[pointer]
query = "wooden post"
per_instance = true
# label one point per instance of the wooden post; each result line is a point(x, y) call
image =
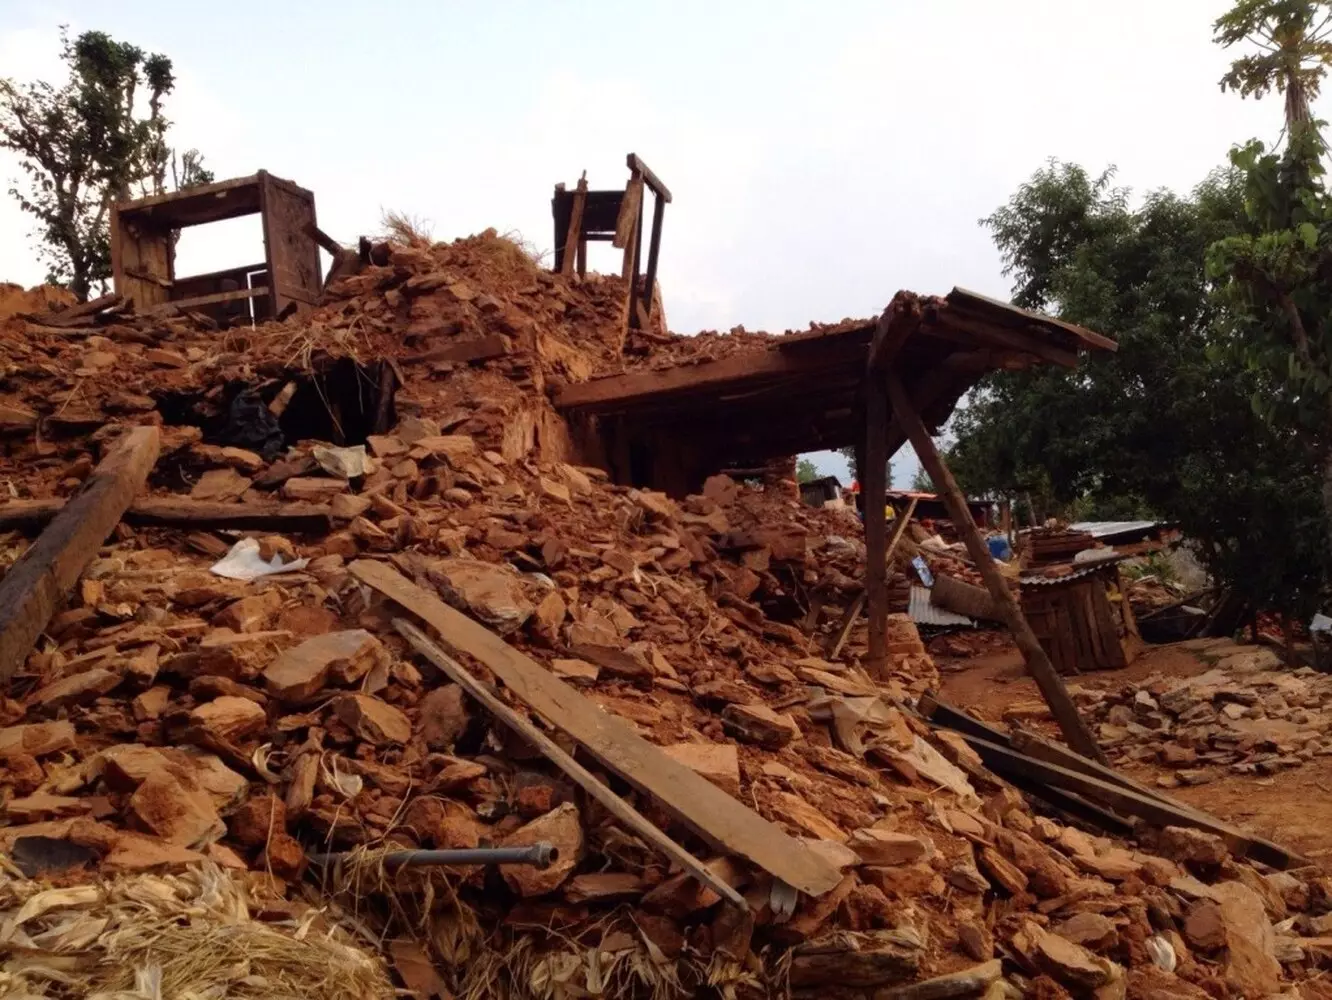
point(1075, 731)
point(654, 251)
point(874, 486)
point(32, 589)
point(573, 238)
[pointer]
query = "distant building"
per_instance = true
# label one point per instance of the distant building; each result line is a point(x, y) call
point(817, 492)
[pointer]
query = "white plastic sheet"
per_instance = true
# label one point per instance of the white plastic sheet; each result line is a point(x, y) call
point(243, 562)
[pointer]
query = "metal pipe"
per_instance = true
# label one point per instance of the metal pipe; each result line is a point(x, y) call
point(540, 855)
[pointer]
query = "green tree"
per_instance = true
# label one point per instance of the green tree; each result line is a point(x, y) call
point(1162, 427)
point(1276, 275)
point(921, 481)
point(806, 471)
point(88, 143)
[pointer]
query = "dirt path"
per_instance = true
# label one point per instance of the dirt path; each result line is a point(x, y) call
point(1293, 807)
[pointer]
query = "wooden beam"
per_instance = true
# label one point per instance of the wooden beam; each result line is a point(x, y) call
point(483, 348)
point(745, 367)
point(654, 253)
point(1127, 801)
point(34, 586)
point(717, 817)
point(1038, 663)
point(975, 302)
point(216, 298)
point(633, 820)
point(899, 321)
point(173, 512)
point(874, 490)
point(573, 237)
point(977, 330)
point(653, 181)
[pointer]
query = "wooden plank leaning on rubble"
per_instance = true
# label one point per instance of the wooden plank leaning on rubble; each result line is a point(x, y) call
point(1031, 745)
point(1128, 802)
point(585, 779)
point(723, 821)
point(32, 589)
point(170, 512)
point(1038, 662)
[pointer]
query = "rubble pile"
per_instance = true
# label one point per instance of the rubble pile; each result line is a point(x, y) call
point(1246, 714)
point(241, 699)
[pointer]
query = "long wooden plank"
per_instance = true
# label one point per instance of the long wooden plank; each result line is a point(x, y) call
point(1028, 743)
point(1038, 662)
point(169, 512)
point(574, 236)
point(1128, 802)
point(608, 393)
point(717, 817)
point(34, 586)
point(616, 806)
point(483, 348)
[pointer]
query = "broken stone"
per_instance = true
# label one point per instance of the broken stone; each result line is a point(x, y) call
point(76, 689)
point(562, 828)
point(1204, 926)
point(179, 814)
point(1251, 965)
point(250, 614)
point(1091, 930)
point(630, 664)
point(258, 819)
point(760, 725)
point(1066, 962)
point(491, 593)
point(229, 717)
point(443, 716)
point(794, 810)
point(36, 739)
point(373, 720)
point(1194, 847)
point(718, 762)
point(886, 847)
point(220, 485)
point(312, 489)
point(298, 674)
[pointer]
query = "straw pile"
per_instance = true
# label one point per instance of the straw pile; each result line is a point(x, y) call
point(191, 935)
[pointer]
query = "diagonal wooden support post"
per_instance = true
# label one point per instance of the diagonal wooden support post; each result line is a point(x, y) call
point(1075, 731)
point(34, 586)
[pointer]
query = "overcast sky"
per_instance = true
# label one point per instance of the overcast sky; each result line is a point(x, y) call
point(821, 156)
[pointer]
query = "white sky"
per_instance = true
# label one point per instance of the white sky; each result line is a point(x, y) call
point(821, 156)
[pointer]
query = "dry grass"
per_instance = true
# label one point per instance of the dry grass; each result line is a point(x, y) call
point(151, 937)
point(410, 230)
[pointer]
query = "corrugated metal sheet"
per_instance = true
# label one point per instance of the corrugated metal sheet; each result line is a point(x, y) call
point(1054, 581)
point(1099, 529)
point(922, 612)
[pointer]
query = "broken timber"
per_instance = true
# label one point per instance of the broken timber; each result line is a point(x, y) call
point(1128, 802)
point(169, 512)
point(616, 806)
point(1038, 662)
point(716, 816)
point(35, 584)
point(1025, 753)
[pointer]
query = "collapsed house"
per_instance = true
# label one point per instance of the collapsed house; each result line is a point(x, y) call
point(661, 673)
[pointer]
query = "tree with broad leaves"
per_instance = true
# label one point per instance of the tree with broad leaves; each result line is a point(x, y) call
point(88, 143)
point(1276, 274)
point(1163, 427)
point(1293, 43)
point(806, 471)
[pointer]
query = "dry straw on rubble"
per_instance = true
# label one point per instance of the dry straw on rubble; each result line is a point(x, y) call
point(184, 937)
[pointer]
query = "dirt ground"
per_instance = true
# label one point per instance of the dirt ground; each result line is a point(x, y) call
point(1293, 807)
